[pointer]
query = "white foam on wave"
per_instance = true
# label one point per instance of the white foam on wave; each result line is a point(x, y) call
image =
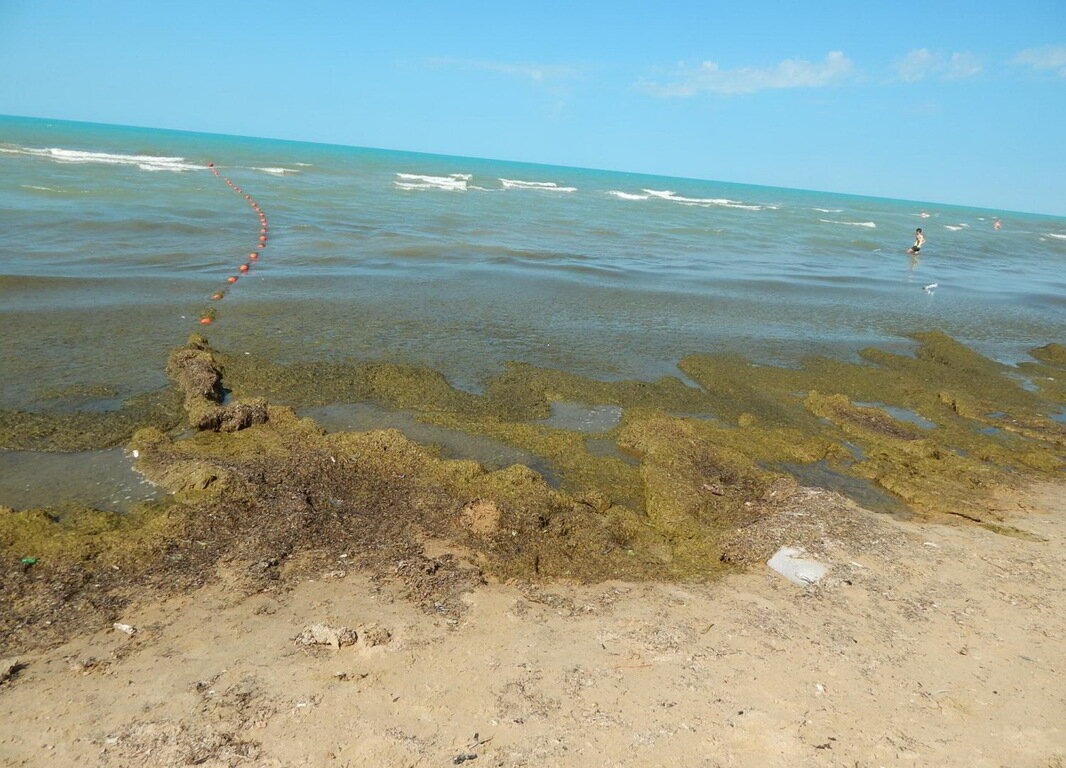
point(303, 165)
point(869, 224)
point(626, 195)
point(705, 202)
point(1057, 237)
point(546, 186)
point(828, 210)
point(276, 171)
point(954, 228)
point(42, 189)
point(421, 181)
point(76, 156)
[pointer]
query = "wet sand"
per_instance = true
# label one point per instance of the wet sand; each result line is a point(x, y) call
point(924, 645)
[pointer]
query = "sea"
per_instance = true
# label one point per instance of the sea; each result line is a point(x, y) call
point(113, 239)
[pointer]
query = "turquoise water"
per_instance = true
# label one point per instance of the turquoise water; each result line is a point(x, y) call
point(109, 254)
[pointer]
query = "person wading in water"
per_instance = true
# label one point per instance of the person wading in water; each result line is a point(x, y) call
point(919, 241)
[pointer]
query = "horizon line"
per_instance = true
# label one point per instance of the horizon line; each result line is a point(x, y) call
point(986, 209)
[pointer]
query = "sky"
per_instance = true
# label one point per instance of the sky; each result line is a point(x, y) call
point(953, 102)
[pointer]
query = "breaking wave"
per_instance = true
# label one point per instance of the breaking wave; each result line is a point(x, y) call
point(278, 171)
point(666, 194)
point(75, 156)
point(456, 182)
point(547, 186)
point(869, 224)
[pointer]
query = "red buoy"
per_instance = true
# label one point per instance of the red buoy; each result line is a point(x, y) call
point(217, 295)
point(253, 256)
point(262, 238)
point(231, 279)
point(261, 246)
point(243, 267)
point(205, 321)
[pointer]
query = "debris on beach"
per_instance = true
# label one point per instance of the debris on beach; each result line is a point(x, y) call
point(372, 635)
point(788, 562)
point(324, 634)
point(9, 668)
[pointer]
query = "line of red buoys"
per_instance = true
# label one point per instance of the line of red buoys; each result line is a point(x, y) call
point(208, 315)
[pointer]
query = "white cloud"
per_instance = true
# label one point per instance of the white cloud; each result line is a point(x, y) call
point(916, 65)
point(1049, 57)
point(536, 73)
point(962, 65)
point(922, 63)
point(708, 77)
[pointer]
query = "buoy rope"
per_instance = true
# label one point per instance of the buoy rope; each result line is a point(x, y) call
point(209, 314)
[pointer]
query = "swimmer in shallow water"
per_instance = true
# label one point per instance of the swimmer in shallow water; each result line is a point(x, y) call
point(919, 241)
point(998, 224)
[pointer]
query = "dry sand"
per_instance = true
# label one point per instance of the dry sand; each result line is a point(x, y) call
point(926, 645)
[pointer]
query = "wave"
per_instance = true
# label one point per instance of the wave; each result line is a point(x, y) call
point(828, 210)
point(303, 165)
point(666, 194)
point(954, 228)
point(547, 186)
point(277, 171)
point(41, 189)
point(626, 195)
point(143, 162)
point(1057, 237)
point(453, 183)
point(869, 224)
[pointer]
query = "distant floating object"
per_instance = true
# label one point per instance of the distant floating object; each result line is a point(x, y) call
point(931, 287)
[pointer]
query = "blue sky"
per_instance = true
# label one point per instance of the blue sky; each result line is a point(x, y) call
point(959, 102)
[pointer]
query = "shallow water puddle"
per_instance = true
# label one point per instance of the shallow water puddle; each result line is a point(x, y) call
point(453, 443)
point(862, 492)
point(583, 418)
point(101, 479)
point(856, 451)
point(608, 449)
point(901, 414)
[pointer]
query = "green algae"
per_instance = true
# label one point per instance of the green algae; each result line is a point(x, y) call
point(252, 482)
point(66, 535)
point(689, 480)
point(766, 415)
point(1052, 354)
point(85, 430)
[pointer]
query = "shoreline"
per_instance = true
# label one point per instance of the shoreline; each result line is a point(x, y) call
point(683, 482)
point(924, 644)
point(304, 597)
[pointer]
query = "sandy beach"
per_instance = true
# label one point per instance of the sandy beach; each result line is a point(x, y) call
point(313, 598)
point(532, 386)
point(924, 645)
